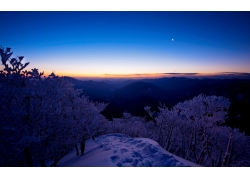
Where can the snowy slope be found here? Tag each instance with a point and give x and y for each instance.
(118, 150)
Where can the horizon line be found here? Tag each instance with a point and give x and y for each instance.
(162, 75)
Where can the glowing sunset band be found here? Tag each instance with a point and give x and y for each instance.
(159, 75)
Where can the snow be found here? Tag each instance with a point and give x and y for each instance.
(118, 150)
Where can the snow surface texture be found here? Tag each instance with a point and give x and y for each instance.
(118, 150)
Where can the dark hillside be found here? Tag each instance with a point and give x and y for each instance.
(133, 97)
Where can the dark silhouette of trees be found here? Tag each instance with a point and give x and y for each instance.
(42, 118)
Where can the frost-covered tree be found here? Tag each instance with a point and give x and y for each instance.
(129, 125)
(195, 130)
(166, 125)
(18, 130)
(200, 115)
(42, 118)
(89, 121)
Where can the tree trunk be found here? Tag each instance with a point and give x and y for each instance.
(77, 151)
(82, 147)
(55, 159)
(54, 163)
(227, 153)
(28, 157)
(218, 164)
(43, 163)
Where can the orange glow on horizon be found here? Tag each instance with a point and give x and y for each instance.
(139, 76)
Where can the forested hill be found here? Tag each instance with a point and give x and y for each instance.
(133, 95)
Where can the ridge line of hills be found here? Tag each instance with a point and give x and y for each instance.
(133, 95)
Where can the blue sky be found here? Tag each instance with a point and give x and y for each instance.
(108, 44)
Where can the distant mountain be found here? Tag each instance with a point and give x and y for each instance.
(133, 95)
(93, 89)
(138, 89)
(173, 83)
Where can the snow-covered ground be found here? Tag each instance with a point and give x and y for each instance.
(118, 150)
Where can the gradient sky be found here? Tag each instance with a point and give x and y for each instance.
(127, 44)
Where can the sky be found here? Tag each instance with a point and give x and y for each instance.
(129, 44)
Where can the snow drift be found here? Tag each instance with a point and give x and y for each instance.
(118, 150)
